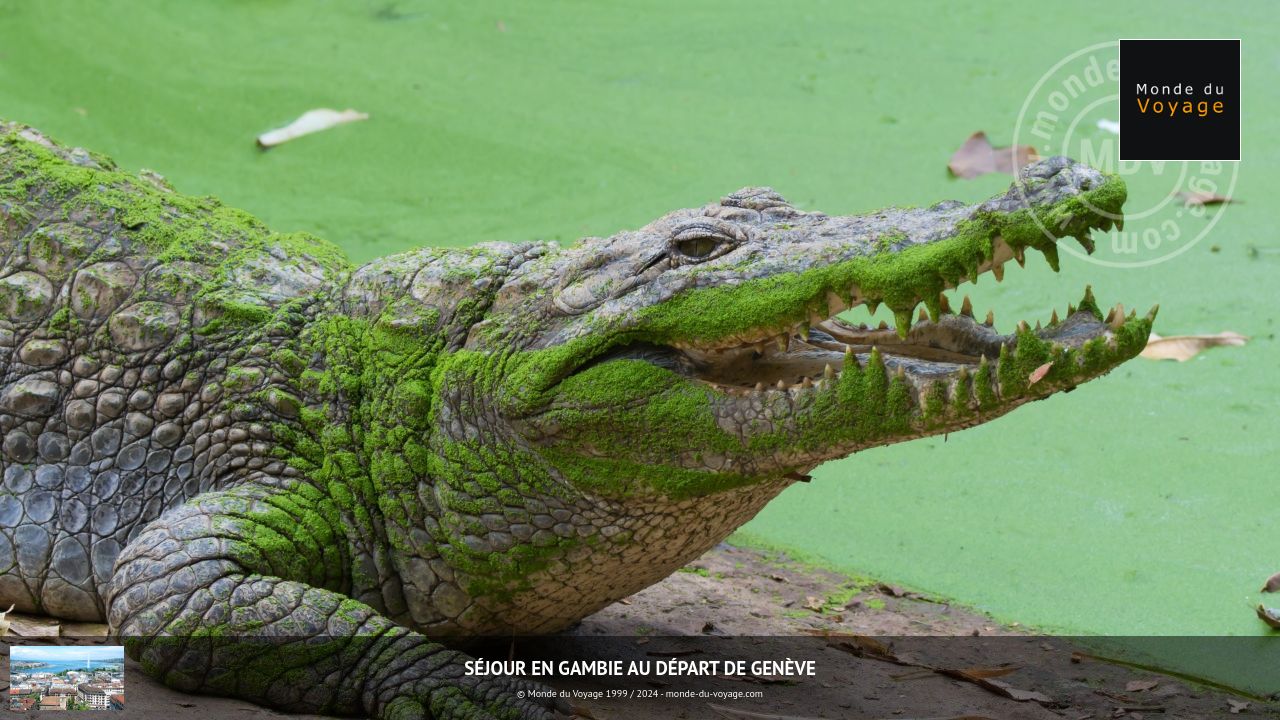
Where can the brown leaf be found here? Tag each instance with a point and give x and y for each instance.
(859, 645)
(1273, 583)
(977, 157)
(1140, 685)
(1013, 693)
(979, 673)
(814, 603)
(33, 626)
(311, 121)
(1194, 197)
(1185, 347)
(1038, 374)
(892, 590)
(1270, 616)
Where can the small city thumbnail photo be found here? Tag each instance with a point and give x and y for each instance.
(66, 677)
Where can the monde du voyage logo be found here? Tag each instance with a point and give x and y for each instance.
(1164, 115)
(1180, 100)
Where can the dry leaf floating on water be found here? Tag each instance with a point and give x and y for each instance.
(1272, 584)
(1193, 197)
(311, 121)
(978, 157)
(1185, 347)
(1270, 616)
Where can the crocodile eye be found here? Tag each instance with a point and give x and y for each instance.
(704, 240)
(697, 248)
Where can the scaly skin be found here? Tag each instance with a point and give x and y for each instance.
(275, 475)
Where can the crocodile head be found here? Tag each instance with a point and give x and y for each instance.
(704, 351)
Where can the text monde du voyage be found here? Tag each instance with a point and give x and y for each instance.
(1177, 99)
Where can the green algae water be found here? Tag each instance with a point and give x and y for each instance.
(1141, 504)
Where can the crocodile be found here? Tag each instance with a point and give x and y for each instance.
(281, 477)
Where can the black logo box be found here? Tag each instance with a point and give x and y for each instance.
(1187, 69)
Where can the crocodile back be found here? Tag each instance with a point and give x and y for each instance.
(128, 316)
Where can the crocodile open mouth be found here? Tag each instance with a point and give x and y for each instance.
(943, 345)
(952, 345)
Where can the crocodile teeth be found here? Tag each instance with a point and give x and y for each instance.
(903, 320)
(1151, 314)
(1086, 242)
(1053, 319)
(943, 303)
(1120, 223)
(1116, 318)
(1088, 301)
(805, 382)
(998, 271)
(883, 325)
(828, 372)
(967, 308)
(783, 342)
(782, 385)
(759, 387)
(1021, 256)
(834, 304)
(991, 319)
(923, 316)
(1051, 256)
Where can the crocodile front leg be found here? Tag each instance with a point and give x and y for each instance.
(224, 595)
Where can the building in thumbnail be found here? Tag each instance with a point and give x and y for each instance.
(94, 696)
